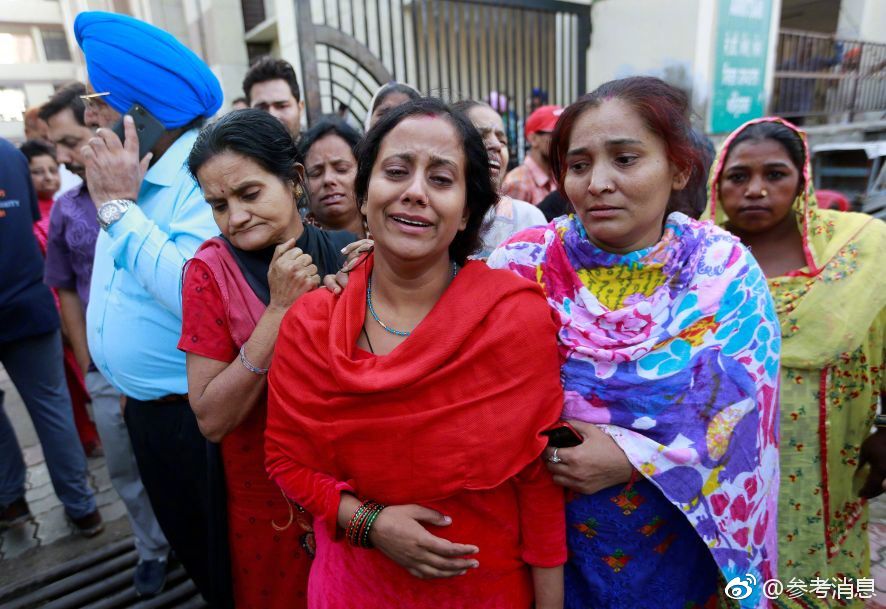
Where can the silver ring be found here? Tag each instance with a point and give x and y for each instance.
(554, 458)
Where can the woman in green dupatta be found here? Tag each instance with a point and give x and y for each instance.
(824, 269)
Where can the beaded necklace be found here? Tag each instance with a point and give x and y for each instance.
(372, 312)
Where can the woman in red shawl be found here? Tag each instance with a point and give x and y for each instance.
(405, 413)
(236, 290)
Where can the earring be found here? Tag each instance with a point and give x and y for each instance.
(764, 192)
(298, 191)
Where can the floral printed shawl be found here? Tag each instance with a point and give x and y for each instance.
(674, 354)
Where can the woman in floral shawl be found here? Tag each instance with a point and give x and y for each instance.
(824, 273)
(670, 348)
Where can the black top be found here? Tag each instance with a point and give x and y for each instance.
(324, 248)
(555, 205)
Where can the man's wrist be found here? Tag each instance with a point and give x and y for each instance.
(111, 211)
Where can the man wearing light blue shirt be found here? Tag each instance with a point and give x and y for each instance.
(138, 265)
(153, 219)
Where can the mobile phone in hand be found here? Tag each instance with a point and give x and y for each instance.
(149, 129)
(563, 435)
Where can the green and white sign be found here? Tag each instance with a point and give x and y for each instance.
(740, 67)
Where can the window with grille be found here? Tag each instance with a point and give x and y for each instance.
(55, 44)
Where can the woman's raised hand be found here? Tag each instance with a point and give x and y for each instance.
(352, 251)
(399, 534)
(593, 465)
(291, 274)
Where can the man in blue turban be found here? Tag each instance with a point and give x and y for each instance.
(153, 219)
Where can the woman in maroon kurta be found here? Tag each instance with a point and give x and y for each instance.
(235, 292)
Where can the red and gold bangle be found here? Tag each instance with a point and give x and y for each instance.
(364, 540)
(356, 520)
(361, 523)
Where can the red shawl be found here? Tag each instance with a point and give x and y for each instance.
(457, 406)
(242, 305)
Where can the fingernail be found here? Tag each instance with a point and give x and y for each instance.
(342, 250)
(475, 564)
(447, 520)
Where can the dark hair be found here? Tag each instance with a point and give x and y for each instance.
(480, 194)
(252, 133)
(466, 105)
(391, 88)
(663, 108)
(326, 126)
(693, 199)
(787, 137)
(240, 100)
(67, 96)
(268, 68)
(35, 148)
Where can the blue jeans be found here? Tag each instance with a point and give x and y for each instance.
(35, 366)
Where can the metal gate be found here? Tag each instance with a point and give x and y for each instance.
(453, 49)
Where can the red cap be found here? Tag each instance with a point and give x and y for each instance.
(543, 119)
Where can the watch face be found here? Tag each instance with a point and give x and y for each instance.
(109, 212)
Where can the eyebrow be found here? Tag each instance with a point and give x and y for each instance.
(271, 102)
(766, 164)
(435, 160)
(439, 160)
(624, 141)
(235, 190)
(333, 161)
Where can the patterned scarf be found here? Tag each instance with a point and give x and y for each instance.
(673, 351)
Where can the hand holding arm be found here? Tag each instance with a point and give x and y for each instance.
(595, 464)
(399, 534)
(353, 252)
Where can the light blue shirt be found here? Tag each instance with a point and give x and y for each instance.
(134, 317)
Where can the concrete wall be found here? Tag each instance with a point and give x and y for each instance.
(650, 37)
(863, 20)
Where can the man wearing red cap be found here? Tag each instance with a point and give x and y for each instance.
(532, 181)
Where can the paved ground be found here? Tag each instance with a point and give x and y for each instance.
(50, 540)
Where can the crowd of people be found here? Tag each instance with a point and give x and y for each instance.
(335, 369)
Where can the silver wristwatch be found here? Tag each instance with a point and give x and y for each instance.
(112, 211)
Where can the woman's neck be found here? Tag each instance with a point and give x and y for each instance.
(778, 250)
(353, 225)
(295, 230)
(409, 291)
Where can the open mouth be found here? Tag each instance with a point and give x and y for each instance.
(333, 198)
(410, 222)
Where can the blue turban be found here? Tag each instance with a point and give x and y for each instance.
(139, 63)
